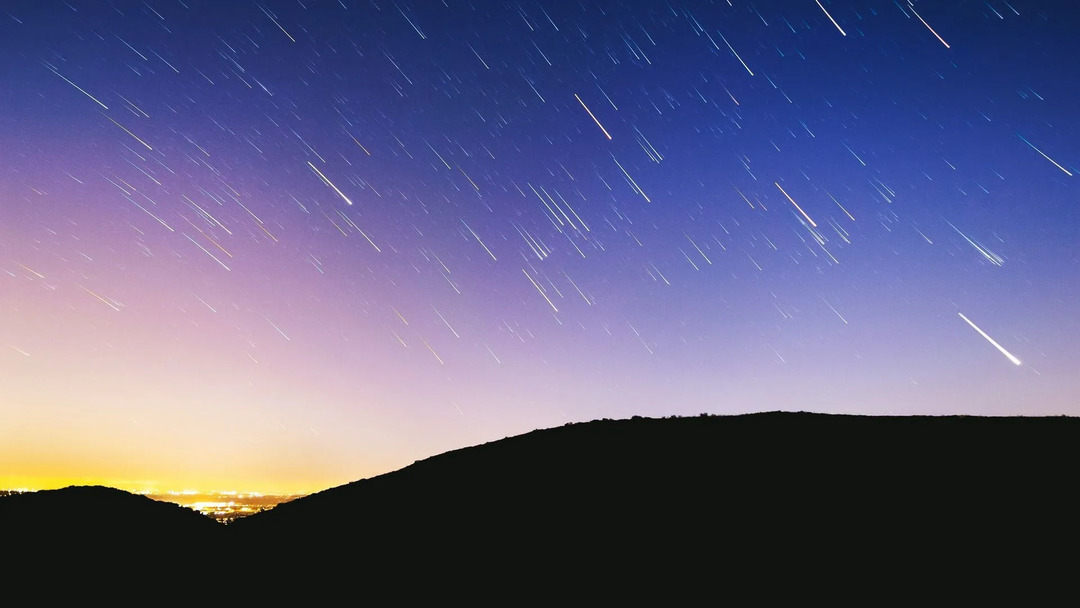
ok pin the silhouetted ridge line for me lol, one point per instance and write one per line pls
(617, 496)
(85, 538)
(615, 504)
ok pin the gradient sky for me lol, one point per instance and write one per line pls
(281, 245)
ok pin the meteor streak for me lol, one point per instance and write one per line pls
(267, 13)
(830, 18)
(990, 340)
(541, 290)
(478, 240)
(329, 183)
(732, 49)
(81, 90)
(796, 205)
(136, 136)
(608, 135)
(940, 39)
(1044, 155)
(104, 300)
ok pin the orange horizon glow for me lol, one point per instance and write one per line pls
(22, 483)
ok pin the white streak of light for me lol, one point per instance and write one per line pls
(77, 87)
(128, 132)
(990, 256)
(831, 19)
(796, 205)
(1044, 155)
(734, 53)
(632, 182)
(441, 362)
(422, 37)
(277, 24)
(608, 135)
(204, 250)
(329, 183)
(272, 324)
(447, 323)
(841, 206)
(541, 290)
(912, 7)
(479, 240)
(105, 301)
(990, 340)
(835, 311)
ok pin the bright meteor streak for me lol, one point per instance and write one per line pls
(593, 117)
(137, 138)
(732, 49)
(104, 300)
(541, 290)
(830, 18)
(1044, 155)
(796, 205)
(940, 39)
(81, 90)
(277, 24)
(329, 183)
(990, 340)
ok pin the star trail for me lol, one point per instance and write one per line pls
(280, 245)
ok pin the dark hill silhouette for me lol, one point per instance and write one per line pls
(94, 513)
(608, 504)
(104, 536)
(778, 505)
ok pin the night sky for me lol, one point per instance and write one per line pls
(281, 245)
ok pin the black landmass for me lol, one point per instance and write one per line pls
(79, 539)
(780, 505)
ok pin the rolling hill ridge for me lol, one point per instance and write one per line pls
(607, 503)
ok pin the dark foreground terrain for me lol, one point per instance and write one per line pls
(774, 505)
